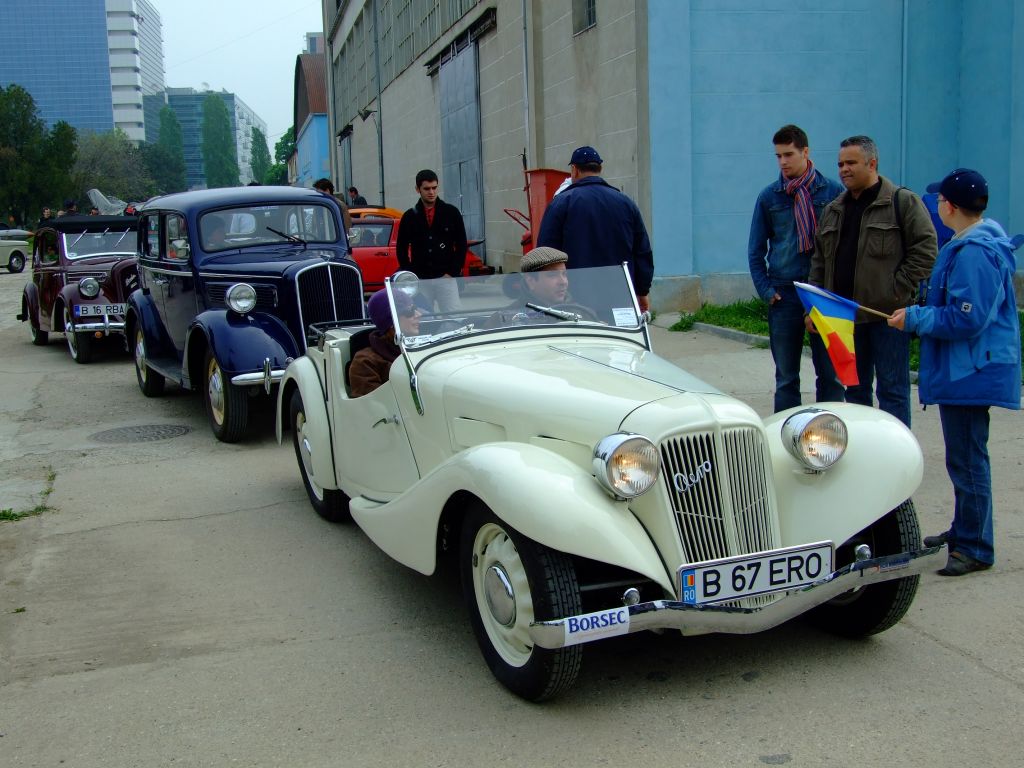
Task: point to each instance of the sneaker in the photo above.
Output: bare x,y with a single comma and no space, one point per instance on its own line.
937,540
960,565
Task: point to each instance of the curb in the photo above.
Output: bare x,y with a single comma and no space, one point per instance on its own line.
754,340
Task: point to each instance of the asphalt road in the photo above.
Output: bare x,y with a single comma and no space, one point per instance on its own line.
180,604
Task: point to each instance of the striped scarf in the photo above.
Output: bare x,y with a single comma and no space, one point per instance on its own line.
803,209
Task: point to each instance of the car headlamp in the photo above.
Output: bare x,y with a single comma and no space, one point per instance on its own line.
89,287
815,438
241,297
626,465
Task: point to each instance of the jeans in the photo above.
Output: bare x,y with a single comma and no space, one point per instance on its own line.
444,291
965,432
882,352
786,331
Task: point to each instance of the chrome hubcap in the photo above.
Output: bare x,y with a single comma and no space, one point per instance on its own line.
215,391
140,355
501,598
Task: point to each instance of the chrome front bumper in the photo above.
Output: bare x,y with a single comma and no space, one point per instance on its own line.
106,326
709,618
267,377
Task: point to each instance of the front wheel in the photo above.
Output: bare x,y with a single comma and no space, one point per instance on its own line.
16,262
509,581
79,344
330,504
875,608
150,382
227,405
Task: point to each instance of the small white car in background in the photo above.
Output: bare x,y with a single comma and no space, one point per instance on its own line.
14,249
587,488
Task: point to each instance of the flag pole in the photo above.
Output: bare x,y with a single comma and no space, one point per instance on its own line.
862,308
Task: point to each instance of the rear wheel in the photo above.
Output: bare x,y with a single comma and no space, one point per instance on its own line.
16,262
79,344
875,608
330,504
227,405
150,382
509,581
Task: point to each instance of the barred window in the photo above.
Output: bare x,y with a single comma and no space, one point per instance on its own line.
584,15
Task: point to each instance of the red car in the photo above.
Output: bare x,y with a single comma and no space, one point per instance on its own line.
374,241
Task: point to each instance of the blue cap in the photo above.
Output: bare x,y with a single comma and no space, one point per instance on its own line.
964,188
583,155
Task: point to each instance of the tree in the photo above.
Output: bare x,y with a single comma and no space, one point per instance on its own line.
34,162
111,163
278,173
260,155
167,164
220,161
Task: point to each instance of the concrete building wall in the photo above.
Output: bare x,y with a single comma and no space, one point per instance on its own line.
134,40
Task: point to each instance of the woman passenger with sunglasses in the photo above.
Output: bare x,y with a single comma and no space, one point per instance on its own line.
371,365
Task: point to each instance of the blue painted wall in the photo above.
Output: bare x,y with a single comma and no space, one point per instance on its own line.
311,146
937,83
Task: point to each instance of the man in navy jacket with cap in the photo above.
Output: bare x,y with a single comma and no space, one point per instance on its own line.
597,225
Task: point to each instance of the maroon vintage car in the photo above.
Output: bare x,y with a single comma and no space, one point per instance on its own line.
83,270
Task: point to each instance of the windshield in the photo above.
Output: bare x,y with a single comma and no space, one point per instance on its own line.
599,297
79,245
266,224
370,233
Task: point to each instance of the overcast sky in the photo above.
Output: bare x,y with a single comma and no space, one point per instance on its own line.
247,47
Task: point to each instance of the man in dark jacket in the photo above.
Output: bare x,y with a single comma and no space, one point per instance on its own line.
970,358
432,244
597,225
875,243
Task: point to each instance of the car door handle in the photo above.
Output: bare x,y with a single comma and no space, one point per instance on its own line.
380,253
385,420
160,281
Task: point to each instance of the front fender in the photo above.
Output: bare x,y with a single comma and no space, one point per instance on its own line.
302,374
542,495
142,314
882,467
69,296
242,342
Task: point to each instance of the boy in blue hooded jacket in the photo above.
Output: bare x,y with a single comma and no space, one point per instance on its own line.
970,358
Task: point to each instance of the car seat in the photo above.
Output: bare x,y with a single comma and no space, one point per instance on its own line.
358,340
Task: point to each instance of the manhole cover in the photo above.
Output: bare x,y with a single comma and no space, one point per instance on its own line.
145,433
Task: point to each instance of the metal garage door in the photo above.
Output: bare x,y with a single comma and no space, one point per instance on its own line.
461,165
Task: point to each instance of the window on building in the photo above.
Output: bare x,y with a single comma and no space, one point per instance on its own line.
584,15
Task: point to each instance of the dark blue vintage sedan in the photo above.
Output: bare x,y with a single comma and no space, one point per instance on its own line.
231,281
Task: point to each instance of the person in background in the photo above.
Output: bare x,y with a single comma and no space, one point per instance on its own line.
779,251
94,211
71,208
326,186
356,199
432,243
867,251
46,218
371,365
970,358
597,225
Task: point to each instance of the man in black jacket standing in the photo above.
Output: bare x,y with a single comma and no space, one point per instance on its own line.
432,243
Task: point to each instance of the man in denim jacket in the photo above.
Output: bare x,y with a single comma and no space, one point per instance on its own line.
779,251
970,358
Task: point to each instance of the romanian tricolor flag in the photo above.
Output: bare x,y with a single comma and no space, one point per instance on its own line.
833,316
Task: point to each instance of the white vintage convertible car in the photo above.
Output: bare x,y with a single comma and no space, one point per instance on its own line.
587,488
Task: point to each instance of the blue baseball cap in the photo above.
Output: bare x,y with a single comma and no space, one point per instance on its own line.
964,188
583,155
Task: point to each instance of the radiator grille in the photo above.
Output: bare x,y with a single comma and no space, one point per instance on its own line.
720,497
719,493
329,292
